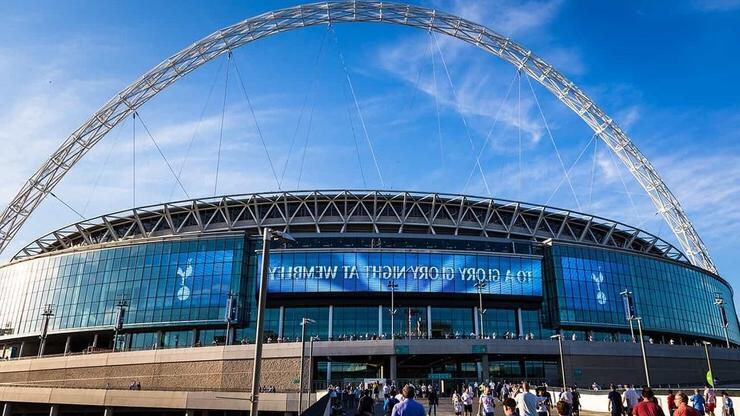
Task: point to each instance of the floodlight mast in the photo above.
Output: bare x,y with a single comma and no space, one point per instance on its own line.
224,41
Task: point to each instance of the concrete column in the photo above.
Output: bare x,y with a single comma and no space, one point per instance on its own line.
54,410
7,408
331,320
95,340
380,319
429,322
195,337
20,349
328,373
108,411
393,368
519,323
485,368
281,319
160,339
68,345
2,353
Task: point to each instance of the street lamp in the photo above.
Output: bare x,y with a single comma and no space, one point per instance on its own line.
710,379
559,337
393,286
268,236
310,367
629,309
720,302
304,321
47,314
480,286
230,315
642,347
120,316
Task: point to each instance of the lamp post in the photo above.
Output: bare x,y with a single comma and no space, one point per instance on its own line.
559,337
120,316
304,321
642,347
393,286
268,236
480,286
629,310
230,314
720,302
709,362
47,314
310,367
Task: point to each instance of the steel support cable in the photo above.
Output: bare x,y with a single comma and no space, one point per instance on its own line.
436,106
221,128
490,131
462,115
66,205
167,162
99,175
314,76
305,145
197,127
554,145
519,127
133,159
354,136
357,105
254,118
624,185
570,169
593,171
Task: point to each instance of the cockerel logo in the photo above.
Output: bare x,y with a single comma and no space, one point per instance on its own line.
599,279
183,293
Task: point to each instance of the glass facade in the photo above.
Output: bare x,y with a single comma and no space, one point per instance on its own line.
669,297
163,282
453,322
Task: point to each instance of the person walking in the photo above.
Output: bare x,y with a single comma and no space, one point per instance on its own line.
631,397
615,401
485,403
467,399
543,402
509,406
457,403
390,402
648,405
697,402
366,407
526,402
433,400
671,402
576,410
710,399
682,406
727,409
409,406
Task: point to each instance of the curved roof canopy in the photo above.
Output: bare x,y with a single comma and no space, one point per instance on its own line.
348,211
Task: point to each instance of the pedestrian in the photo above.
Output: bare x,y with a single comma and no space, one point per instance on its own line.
367,405
563,408
409,406
648,405
509,406
467,398
671,402
682,406
576,410
390,402
710,398
615,401
433,400
697,402
727,409
526,402
631,397
486,405
543,402
457,403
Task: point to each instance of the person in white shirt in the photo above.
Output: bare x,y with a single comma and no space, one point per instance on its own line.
467,399
631,397
485,402
526,402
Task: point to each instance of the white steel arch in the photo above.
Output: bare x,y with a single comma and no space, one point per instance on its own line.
175,67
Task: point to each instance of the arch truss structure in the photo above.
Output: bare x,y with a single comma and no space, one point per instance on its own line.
187,60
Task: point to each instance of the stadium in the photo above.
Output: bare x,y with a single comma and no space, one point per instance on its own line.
383,285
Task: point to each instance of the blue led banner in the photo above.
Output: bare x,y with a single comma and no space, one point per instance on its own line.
296,271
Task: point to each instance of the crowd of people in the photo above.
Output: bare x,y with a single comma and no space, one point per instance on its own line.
645,403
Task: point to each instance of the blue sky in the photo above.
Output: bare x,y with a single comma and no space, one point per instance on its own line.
665,71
